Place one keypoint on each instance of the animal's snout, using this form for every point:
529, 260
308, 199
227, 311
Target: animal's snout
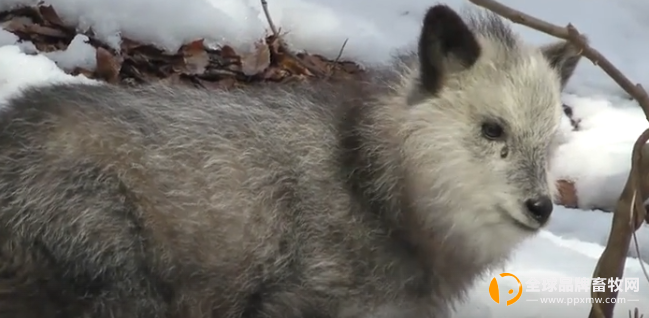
540, 208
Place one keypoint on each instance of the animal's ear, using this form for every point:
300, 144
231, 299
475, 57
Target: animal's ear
563, 57
446, 44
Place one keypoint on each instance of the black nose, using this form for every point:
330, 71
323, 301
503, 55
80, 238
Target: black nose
540, 208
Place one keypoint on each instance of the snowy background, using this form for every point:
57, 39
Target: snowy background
596, 158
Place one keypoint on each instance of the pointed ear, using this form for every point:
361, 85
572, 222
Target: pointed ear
564, 57
446, 44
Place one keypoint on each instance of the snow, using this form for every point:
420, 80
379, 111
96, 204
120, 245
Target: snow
596, 157
7, 38
77, 54
550, 257
20, 70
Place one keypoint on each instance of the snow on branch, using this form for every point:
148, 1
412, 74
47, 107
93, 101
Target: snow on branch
629, 213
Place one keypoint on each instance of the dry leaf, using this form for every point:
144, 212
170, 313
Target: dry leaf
47, 31
293, 78
130, 70
49, 14
139, 63
192, 48
288, 63
128, 45
318, 62
227, 52
275, 73
567, 194
47, 47
350, 67
257, 61
17, 25
195, 58
108, 66
82, 71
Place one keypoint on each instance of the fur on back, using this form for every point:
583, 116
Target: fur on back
373, 198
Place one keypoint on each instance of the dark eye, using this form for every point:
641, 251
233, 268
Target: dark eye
492, 131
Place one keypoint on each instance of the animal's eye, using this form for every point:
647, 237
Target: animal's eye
492, 131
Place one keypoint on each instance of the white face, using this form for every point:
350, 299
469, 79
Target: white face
483, 149
483, 109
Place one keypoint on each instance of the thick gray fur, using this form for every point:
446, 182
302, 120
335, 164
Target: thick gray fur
377, 198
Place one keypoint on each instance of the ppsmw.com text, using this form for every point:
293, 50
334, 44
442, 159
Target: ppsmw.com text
579, 300
566, 287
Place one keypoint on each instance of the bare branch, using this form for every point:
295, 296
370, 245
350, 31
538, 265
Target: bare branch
314, 71
340, 53
635, 313
264, 5
629, 212
613, 259
637, 251
571, 34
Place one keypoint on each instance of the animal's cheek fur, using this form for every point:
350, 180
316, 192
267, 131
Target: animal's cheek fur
455, 160
554, 189
465, 182
494, 169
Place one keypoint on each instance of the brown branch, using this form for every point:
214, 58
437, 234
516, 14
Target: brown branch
264, 5
613, 259
629, 212
571, 34
282, 44
340, 53
635, 314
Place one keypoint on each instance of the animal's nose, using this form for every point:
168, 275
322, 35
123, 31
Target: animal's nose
540, 208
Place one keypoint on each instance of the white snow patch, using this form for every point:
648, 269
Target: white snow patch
7, 38
77, 54
20, 70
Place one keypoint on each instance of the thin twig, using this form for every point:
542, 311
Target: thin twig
571, 34
637, 250
340, 53
635, 313
283, 45
636, 218
613, 258
264, 5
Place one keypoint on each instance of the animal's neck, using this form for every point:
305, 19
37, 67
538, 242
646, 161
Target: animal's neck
380, 182
370, 166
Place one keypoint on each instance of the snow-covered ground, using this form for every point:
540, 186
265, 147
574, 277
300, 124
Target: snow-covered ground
596, 158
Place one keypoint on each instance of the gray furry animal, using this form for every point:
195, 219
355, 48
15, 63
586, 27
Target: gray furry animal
384, 197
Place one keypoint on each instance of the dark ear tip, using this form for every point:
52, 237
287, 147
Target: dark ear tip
441, 13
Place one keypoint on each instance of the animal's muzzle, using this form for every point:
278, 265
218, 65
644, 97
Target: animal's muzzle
540, 208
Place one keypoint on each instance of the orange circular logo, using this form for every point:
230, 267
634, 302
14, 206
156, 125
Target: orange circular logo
494, 291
